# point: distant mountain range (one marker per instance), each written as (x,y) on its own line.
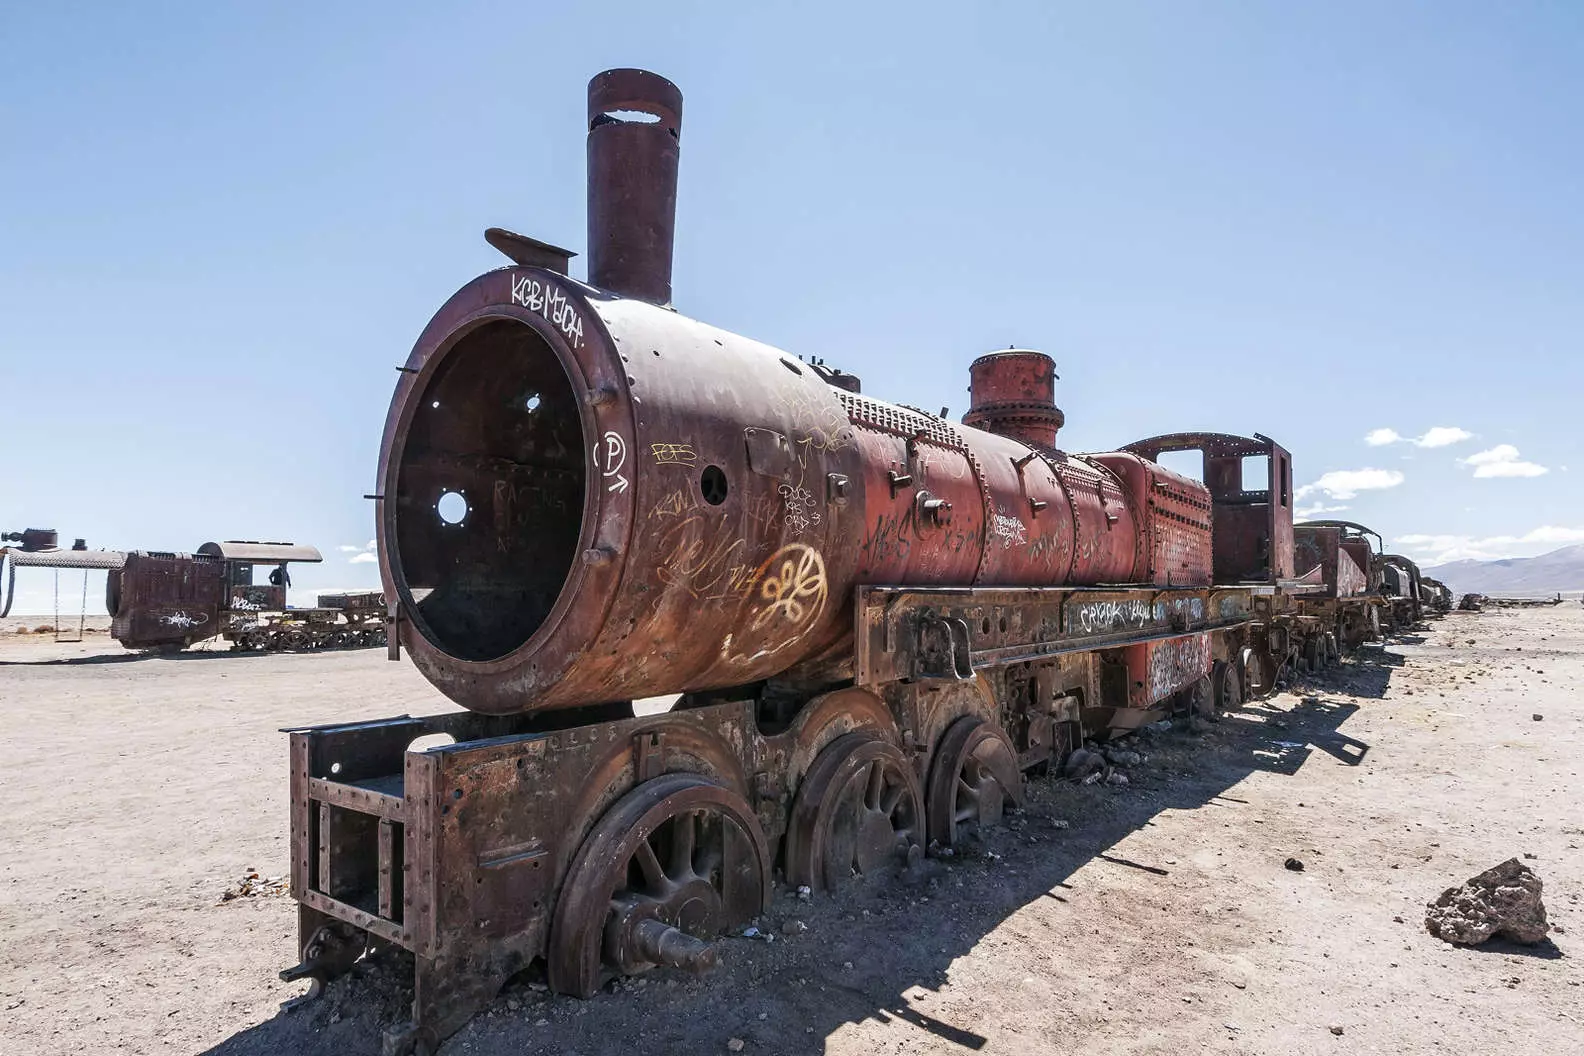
(1560,570)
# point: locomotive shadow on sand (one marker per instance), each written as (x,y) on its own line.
(866,917)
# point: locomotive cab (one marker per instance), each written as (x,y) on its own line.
(1250,484)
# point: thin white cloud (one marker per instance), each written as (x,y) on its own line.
(1439,549)
(1304,513)
(1435,436)
(1443,436)
(1502,461)
(350,549)
(1343,484)
(364,558)
(361,555)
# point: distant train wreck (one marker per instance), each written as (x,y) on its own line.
(165,600)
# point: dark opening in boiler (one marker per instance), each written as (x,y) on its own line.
(499,425)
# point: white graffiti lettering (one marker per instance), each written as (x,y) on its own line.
(184,620)
(1098,617)
(550,302)
(800,512)
(610,455)
(1009,530)
(1177,663)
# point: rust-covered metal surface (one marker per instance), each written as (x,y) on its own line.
(166,599)
(1157,669)
(1174,529)
(1253,525)
(621,473)
(1013,393)
(634,142)
(1325,548)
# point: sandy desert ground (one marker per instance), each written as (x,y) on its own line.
(1152,918)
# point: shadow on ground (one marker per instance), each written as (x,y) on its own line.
(866,948)
(129,658)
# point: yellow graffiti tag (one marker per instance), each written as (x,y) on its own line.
(674,454)
(793,584)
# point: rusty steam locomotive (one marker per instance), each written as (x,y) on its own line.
(872,620)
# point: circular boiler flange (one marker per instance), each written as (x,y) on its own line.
(511,404)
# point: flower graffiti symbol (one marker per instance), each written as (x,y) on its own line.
(800,511)
(793,585)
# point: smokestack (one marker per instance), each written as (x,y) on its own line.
(635,124)
(1013,393)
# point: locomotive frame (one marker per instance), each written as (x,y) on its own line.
(513,842)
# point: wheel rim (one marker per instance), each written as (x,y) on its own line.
(973,779)
(1231,688)
(676,861)
(1228,686)
(858,810)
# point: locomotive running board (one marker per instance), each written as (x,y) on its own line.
(948,633)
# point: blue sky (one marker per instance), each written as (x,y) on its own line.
(221,226)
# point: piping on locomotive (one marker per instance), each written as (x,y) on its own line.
(871,620)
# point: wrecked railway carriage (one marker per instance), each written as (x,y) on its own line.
(166,601)
(875,619)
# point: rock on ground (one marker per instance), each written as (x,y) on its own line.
(1503,900)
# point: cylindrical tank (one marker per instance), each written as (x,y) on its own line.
(1014,393)
(586,497)
(589,498)
(635,128)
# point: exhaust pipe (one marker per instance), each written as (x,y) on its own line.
(635,126)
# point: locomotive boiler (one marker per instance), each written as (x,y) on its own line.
(572,469)
(871,620)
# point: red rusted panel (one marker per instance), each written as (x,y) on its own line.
(1252,526)
(912,462)
(1029,521)
(166,599)
(1175,520)
(1156,670)
(1013,393)
(1323,549)
(1351,580)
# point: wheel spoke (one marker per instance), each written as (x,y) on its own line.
(653,875)
(893,796)
(683,835)
(965,788)
(876,785)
